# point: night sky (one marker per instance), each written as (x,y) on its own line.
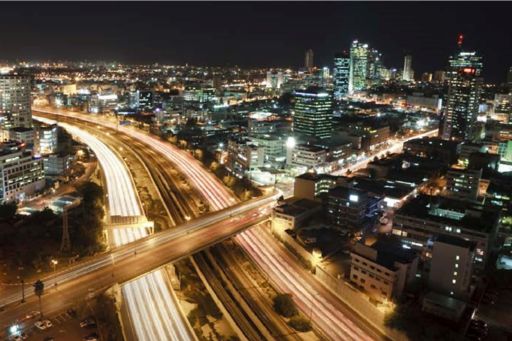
(255,34)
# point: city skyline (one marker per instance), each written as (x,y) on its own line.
(255,34)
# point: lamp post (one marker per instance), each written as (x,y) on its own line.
(54,264)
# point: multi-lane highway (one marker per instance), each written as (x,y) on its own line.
(343,324)
(151,305)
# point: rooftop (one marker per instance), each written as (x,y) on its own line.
(467,215)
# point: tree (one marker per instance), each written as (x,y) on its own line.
(284,305)
(300,324)
(8,210)
(39,291)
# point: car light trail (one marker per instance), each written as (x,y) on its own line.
(152,308)
(339,326)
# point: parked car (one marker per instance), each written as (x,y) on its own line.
(40,325)
(92,337)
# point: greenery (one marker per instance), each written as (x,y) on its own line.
(300,324)
(284,305)
(7,211)
(405,318)
(106,315)
(19,234)
(39,291)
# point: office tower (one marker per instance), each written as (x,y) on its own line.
(341,75)
(407,73)
(464,88)
(312,117)
(373,74)
(274,79)
(15,102)
(308,60)
(426,77)
(358,66)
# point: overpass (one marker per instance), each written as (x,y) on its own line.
(334,318)
(135,259)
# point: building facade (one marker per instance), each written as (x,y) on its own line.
(312,116)
(358,66)
(341,75)
(15,103)
(464,89)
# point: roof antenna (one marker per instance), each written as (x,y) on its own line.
(460,40)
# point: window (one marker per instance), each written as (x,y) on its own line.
(457,257)
(454,281)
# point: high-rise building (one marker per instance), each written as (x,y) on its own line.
(439,76)
(464,88)
(407,73)
(274,79)
(373,75)
(308,60)
(15,101)
(358,66)
(341,74)
(312,117)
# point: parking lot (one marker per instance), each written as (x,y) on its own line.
(65,328)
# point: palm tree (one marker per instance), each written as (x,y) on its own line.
(39,291)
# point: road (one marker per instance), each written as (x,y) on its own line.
(396,147)
(326,306)
(151,305)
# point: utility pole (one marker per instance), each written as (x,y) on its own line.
(66,242)
(22,291)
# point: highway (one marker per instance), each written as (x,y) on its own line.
(151,305)
(340,325)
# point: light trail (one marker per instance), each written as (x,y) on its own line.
(150,304)
(339,326)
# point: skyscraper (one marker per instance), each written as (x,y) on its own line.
(358,66)
(341,74)
(312,118)
(407,73)
(464,88)
(308,60)
(15,102)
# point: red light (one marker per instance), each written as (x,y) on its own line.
(469,70)
(460,40)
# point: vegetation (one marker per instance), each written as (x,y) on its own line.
(18,234)
(284,305)
(300,324)
(39,291)
(105,312)
(405,318)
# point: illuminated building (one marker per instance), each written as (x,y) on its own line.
(464,88)
(421,220)
(312,185)
(373,75)
(502,108)
(358,66)
(21,174)
(309,63)
(350,207)
(439,76)
(274,79)
(463,184)
(46,139)
(341,75)
(312,117)
(15,103)
(145,100)
(383,269)
(244,157)
(407,72)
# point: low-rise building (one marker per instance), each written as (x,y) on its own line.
(432,148)
(244,157)
(383,269)
(350,207)
(57,165)
(463,184)
(312,185)
(292,214)
(424,219)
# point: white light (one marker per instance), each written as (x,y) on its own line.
(14,329)
(291,142)
(353,198)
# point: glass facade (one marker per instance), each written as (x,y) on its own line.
(313,113)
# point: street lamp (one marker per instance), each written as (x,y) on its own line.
(54,263)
